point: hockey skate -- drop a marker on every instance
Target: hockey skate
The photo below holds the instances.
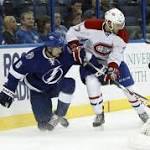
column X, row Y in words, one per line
column 42, row 126
column 99, row 120
column 144, row 116
column 55, row 120
column 64, row 122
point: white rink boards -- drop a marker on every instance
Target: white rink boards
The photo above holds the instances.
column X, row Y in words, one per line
column 137, row 56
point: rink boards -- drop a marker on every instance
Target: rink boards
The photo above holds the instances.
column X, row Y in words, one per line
column 137, row 56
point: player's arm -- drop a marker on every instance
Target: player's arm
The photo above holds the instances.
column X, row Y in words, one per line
column 17, row 72
column 73, row 37
column 115, row 59
column 81, row 32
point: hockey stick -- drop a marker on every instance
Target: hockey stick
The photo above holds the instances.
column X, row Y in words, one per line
column 102, row 71
column 143, row 99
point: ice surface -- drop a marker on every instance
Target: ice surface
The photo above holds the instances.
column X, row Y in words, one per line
column 119, row 132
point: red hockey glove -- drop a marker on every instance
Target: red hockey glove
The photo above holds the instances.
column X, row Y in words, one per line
column 75, row 48
column 112, row 72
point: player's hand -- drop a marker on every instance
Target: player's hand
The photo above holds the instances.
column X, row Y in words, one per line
column 112, row 72
column 6, row 97
column 76, row 50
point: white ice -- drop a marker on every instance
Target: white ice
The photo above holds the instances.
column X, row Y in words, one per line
column 119, row 130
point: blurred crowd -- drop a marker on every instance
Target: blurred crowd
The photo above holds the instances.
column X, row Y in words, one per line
column 28, row 21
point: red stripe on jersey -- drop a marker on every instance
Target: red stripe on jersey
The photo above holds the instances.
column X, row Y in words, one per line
column 124, row 34
column 92, row 98
column 93, row 24
column 98, row 24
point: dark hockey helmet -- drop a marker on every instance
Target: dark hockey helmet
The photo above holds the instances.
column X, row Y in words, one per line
column 54, row 40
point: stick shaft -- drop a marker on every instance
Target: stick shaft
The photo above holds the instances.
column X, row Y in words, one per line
column 102, row 72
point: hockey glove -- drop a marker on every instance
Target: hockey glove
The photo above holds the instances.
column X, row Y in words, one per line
column 76, row 49
column 6, row 97
column 112, row 72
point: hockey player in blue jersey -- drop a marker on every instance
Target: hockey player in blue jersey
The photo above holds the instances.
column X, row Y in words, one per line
column 43, row 70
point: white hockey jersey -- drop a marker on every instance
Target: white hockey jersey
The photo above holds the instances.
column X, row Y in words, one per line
column 103, row 45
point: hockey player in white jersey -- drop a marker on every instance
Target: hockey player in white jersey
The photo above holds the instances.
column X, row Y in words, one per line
column 106, row 40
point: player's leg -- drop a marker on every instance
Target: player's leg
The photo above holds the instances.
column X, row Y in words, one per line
column 127, row 81
column 42, row 109
column 95, row 96
column 67, row 87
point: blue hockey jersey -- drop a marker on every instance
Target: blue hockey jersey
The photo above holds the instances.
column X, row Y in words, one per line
column 39, row 72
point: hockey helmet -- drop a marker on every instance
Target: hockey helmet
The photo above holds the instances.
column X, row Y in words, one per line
column 54, row 40
column 114, row 16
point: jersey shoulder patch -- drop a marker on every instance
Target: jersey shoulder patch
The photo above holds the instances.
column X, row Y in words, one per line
column 29, row 55
column 94, row 24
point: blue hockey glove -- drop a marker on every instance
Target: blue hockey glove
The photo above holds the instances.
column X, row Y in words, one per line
column 6, row 97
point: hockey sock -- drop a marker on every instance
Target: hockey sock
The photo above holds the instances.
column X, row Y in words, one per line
column 62, row 108
column 64, row 101
column 136, row 104
column 94, row 93
column 97, row 103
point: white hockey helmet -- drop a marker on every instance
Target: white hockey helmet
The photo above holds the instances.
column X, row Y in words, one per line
column 114, row 16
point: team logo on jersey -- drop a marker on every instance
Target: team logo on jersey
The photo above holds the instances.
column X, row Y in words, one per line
column 53, row 75
column 103, row 49
column 29, row 55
